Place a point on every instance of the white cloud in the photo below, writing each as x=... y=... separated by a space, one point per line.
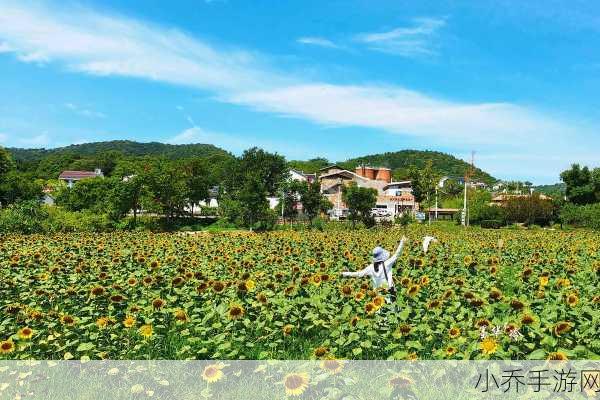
x=40 y=140
x=3 y=138
x=414 y=41
x=318 y=41
x=84 y=111
x=405 y=112
x=100 y=44
x=4 y=47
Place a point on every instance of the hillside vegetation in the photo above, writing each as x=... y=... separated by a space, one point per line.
x=48 y=163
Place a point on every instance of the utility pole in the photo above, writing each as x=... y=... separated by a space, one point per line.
x=470 y=171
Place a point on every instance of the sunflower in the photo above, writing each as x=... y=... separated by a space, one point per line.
x=516 y=304
x=404 y=329
x=213 y=373
x=454 y=332
x=67 y=320
x=218 y=286
x=378 y=301
x=250 y=285
x=235 y=311
x=488 y=345
x=132 y=281
x=495 y=294
x=287 y=329
x=562 y=327
x=7 y=346
x=332 y=366
x=543 y=281
x=370 y=308
x=146 y=331
x=450 y=351
x=434 y=304
x=359 y=295
x=557 y=356
x=354 y=320
x=480 y=323
x=424 y=280
x=316 y=280
x=129 y=321
x=527 y=319
x=405 y=281
x=572 y=299
x=295 y=384
x=181 y=316
x=320 y=352
x=413 y=290
x=102 y=322
x=346 y=290
x=25 y=333
x=97 y=291
x=400 y=381
x=468 y=260
x=158 y=303
x=262 y=298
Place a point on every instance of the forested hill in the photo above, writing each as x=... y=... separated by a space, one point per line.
x=125 y=147
x=48 y=163
x=442 y=163
x=400 y=161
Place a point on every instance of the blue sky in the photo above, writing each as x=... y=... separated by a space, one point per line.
x=516 y=82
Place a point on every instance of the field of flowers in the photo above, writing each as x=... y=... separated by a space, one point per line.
x=477 y=294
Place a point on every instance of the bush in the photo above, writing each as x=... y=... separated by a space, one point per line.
x=24 y=217
x=587 y=216
x=492 y=224
x=61 y=220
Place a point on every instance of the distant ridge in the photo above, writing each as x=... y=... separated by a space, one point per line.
x=399 y=161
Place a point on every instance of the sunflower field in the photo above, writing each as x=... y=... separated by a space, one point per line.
x=476 y=294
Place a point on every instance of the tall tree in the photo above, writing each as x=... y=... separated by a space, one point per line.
x=360 y=201
x=313 y=202
x=583 y=185
x=424 y=182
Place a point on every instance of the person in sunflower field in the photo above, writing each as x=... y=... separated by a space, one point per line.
x=380 y=270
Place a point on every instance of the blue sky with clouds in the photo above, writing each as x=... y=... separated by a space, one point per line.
x=516 y=82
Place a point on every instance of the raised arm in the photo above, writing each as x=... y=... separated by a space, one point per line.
x=357 y=274
x=398 y=251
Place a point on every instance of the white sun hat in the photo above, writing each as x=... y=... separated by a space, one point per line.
x=380 y=254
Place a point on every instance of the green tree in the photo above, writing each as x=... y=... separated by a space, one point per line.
x=360 y=201
x=6 y=162
x=198 y=180
x=169 y=188
x=313 y=202
x=423 y=182
x=583 y=185
x=16 y=186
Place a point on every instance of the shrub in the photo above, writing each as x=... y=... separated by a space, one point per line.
x=23 y=217
x=492 y=224
x=587 y=216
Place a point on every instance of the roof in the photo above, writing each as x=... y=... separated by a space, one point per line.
x=346 y=173
x=399 y=183
x=331 y=166
x=77 y=175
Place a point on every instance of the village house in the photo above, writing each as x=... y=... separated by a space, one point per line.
x=393 y=198
x=295 y=175
x=71 y=177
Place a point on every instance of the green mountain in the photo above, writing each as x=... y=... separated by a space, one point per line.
x=48 y=163
x=124 y=147
x=400 y=161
